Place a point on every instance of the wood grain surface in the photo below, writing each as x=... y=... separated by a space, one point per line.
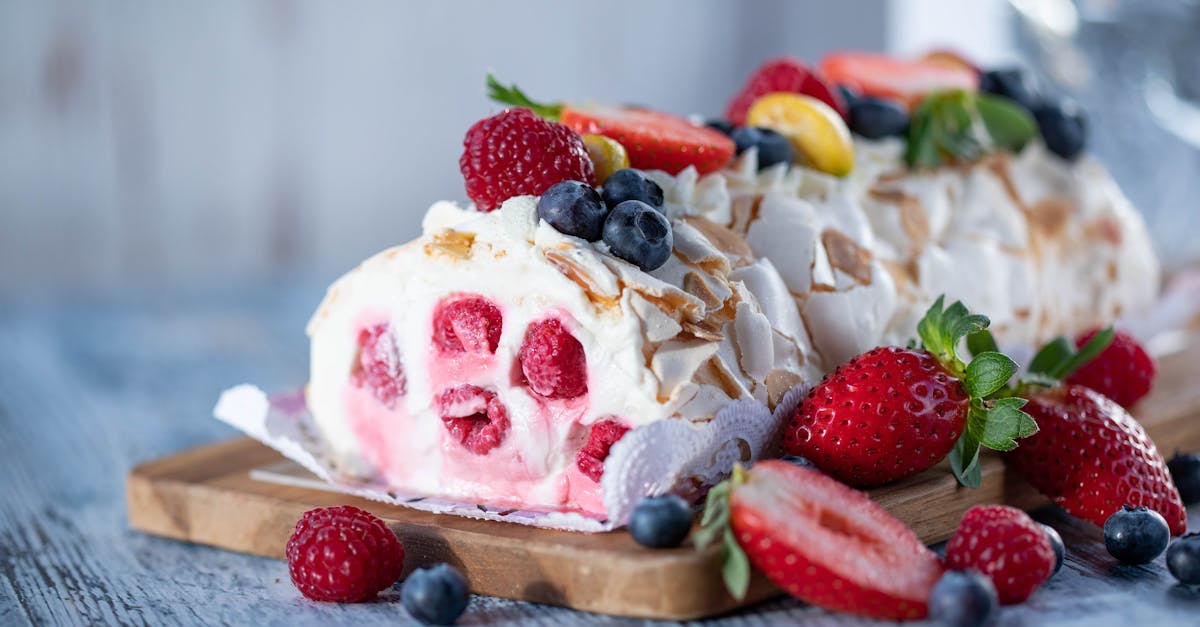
x=206 y=495
x=91 y=385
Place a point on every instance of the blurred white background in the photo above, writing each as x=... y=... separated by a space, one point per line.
x=167 y=142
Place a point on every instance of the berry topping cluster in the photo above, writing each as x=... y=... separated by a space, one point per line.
x=627 y=215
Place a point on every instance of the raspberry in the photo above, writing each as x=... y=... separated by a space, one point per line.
x=553 y=361
x=469 y=324
x=379 y=367
x=1005 y=544
x=343 y=554
x=475 y=417
x=590 y=458
x=515 y=152
x=1123 y=372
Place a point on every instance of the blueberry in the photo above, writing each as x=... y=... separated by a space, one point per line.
x=1185 y=470
x=797 y=460
x=875 y=117
x=1012 y=83
x=1183 y=559
x=639 y=234
x=573 y=208
x=660 y=522
x=1063 y=127
x=772 y=147
x=849 y=94
x=630 y=184
x=436 y=595
x=745 y=137
x=1056 y=543
x=1060 y=550
x=963 y=598
x=1136 y=535
x=725 y=126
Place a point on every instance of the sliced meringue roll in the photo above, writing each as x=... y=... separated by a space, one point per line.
x=495 y=360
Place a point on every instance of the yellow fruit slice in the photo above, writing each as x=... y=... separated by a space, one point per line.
x=816 y=131
x=608 y=156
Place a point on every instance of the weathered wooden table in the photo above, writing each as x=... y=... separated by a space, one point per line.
x=89 y=386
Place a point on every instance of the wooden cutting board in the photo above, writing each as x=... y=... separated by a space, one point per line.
x=206 y=495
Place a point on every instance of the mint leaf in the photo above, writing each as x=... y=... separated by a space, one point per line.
x=959 y=126
x=988 y=372
x=964 y=461
x=1009 y=125
x=512 y=95
x=735 y=570
x=1051 y=356
x=921 y=150
x=1087 y=352
x=981 y=342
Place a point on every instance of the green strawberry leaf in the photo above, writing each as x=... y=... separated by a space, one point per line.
x=715 y=518
x=987 y=373
x=943 y=328
x=735 y=570
x=968 y=325
x=964 y=461
x=981 y=342
x=1058 y=359
x=997 y=424
x=994 y=417
x=1008 y=124
x=1004 y=423
x=512 y=95
x=714 y=523
x=1055 y=353
x=1086 y=353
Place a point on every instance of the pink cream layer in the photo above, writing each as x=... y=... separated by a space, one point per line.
x=516 y=473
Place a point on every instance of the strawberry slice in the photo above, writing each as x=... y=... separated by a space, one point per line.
x=784 y=74
x=896 y=79
x=654 y=140
x=825 y=543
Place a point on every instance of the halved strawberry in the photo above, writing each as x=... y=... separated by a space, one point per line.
x=784 y=74
x=653 y=139
x=897 y=79
x=823 y=542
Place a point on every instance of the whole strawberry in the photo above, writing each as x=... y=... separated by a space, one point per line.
x=822 y=542
x=1091 y=457
x=1123 y=372
x=343 y=554
x=1005 y=544
x=516 y=152
x=892 y=412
